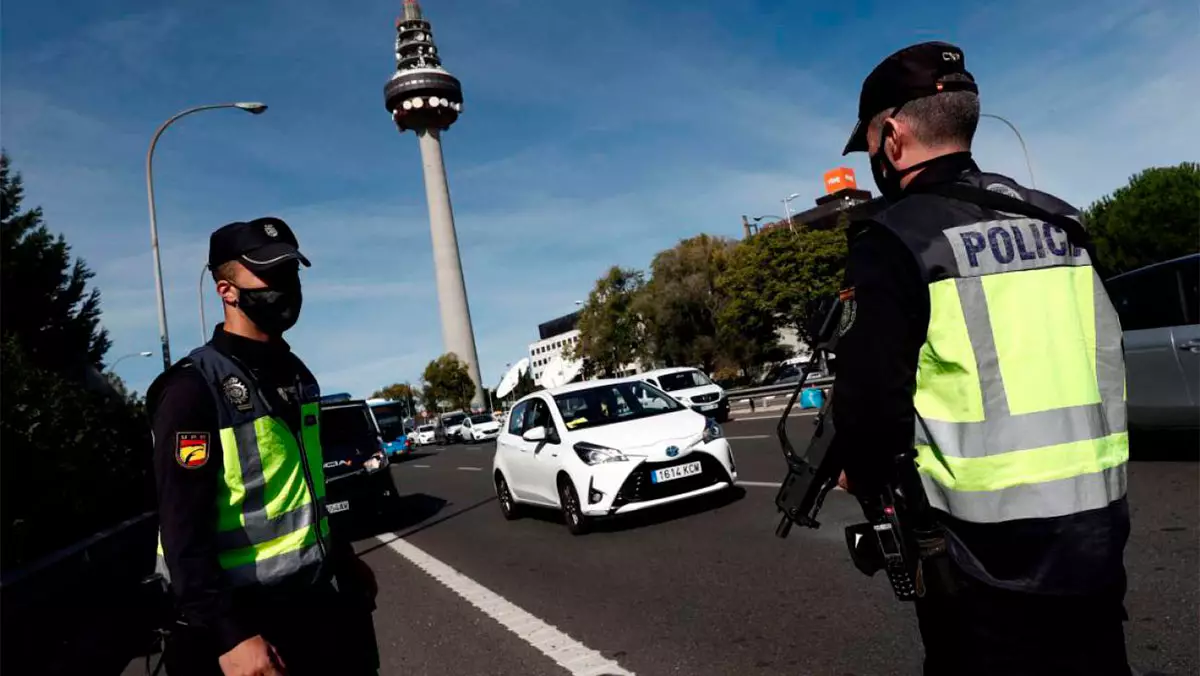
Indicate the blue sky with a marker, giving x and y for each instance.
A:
(593, 134)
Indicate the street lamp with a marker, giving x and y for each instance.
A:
(787, 208)
(1013, 127)
(250, 107)
(145, 353)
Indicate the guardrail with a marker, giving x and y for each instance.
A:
(78, 610)
(771, 391)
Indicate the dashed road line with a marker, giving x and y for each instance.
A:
(422, 466)
(472, 469)
(752, 436)
(760, 484)
(802, 414)
(568, 653)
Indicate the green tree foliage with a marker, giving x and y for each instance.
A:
(611, 333)
(44, 299)
(683, 300)
(74, 448)
(1156, 217)
(448, 380)
(773, 277)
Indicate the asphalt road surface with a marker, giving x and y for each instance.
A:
(700, 588)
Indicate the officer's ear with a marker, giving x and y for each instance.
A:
(228, 292)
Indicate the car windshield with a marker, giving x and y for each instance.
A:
(347, 433)
(683, 380)
(425, 428)
(390, 418)
(607, 404)
(481, 418)
(453, 419)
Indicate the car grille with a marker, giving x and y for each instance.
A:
(706, 398)
(639, 488)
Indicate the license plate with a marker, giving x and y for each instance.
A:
(678, 472)
(335, 507)
(708, 407)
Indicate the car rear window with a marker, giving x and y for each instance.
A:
(1159, 296)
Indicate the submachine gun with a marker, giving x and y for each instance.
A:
(900, 534)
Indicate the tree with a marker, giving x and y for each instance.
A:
(44, 300)
(447, 379)
(402, 392)
(774, 276)
(1156, 217)
(683, 301)
(610, 331)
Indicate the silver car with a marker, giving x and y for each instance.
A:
(1159, 306)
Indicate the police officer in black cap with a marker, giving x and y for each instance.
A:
(978, 349)
(261, 585)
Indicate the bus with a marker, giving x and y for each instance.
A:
(392, 418)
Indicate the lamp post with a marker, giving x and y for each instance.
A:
(1013, 127)
(145, 353)
(249, 107)
(787, 208)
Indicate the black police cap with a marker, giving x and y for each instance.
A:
(260, 244)
(911, 73)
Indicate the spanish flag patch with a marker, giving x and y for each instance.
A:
(191, 449)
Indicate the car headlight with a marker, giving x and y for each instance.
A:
(371, 464)
(712, 431)
(593, 454)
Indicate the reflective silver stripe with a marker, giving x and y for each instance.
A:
(1030, 501)
(253, 480)
(1019, 432)
(259, 530)
(275, 569)
(1110, 357)
(987, 360)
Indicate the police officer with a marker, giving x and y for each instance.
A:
(979, 343)
(261, 584)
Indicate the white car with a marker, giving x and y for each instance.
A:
(692, 388)
(452, 424)
(606, 447)
(479, 427)
(425, 435)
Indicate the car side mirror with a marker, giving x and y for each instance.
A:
(535, 434)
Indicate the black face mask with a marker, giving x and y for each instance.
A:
(274, 309)
(887, 176)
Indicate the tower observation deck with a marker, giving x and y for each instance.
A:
(421, 94)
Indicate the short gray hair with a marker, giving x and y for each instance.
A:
(945, 119)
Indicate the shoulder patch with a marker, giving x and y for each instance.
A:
(849, 311)
(191, 449)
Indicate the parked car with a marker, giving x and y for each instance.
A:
(692, 388)
(452, 424)
(357, 479)
(480, 427)
(607, 447)
(430, 434)
(1159, 308)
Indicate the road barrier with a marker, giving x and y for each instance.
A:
(81, 610)
(767, 394)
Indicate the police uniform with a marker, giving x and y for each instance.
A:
(244, 538)
(984, 341)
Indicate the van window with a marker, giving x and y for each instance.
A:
(1159, 296)
(683, 380)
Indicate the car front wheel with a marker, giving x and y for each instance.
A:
(508, 506)
(573, 515)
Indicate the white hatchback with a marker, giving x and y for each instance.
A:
(606, 447)
(479, 427)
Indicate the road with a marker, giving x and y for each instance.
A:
(704, 588)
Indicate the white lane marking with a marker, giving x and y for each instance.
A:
(472, 469)
(761, 484)
(570, 654)
(802, 414)
(422, 466)
(752, 436)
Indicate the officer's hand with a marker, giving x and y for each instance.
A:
(253, 657)
(843, 483)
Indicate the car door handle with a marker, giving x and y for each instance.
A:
(1190, 345)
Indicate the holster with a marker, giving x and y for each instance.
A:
(936, 576)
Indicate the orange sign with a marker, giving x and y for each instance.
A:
(839, 179)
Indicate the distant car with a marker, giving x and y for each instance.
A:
(692, 388)
(427, 435)
(1159, 308)
(357, 479)
(452, 424)
(480, 427)
(607, 447)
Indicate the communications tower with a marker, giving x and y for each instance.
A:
(424, 97)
